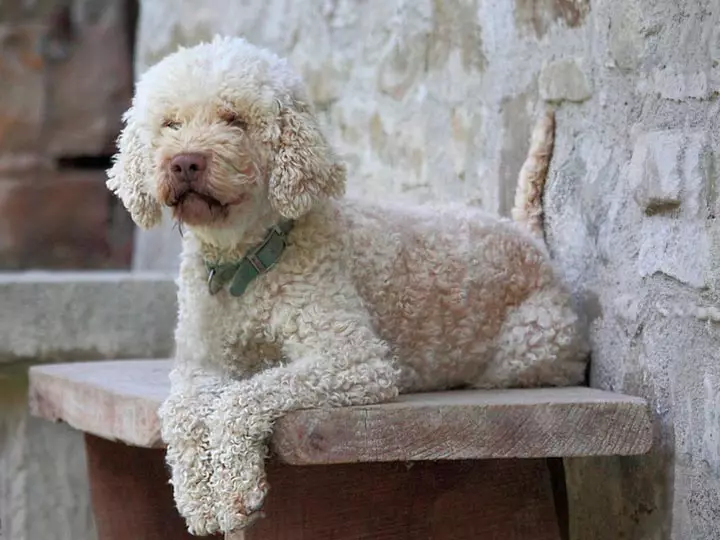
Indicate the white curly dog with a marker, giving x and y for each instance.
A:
(292, 296)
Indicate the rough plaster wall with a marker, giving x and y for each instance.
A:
(434, 100)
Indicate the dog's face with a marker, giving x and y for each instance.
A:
(223, 135)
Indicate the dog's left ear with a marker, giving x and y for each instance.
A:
(306, 169)
(126, 177)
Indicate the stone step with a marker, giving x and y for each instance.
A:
(69, 316)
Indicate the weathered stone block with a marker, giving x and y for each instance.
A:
(626, 42)
(564, 80)
(22, 88)
(541, 15)
(89, 70)
(157, 249)
(406, 52)
(670, 169)
(670, 174)
(676, 84)
(43, 481)
(69, 316)
(57, 220)
(66, 74)
(24, 12)
(655, 172)
(675, 247)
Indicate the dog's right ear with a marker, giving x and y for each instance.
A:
(126, 177)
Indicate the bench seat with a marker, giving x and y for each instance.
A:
(486, 460)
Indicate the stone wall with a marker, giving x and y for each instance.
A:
(66, 72)
(434, 99)
(43, 480)
(44, 492)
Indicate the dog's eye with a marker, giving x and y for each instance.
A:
(171, 124)
(234, 120)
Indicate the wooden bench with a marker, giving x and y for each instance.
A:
(453, 465)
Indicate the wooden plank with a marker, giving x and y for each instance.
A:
(119, 400)
(131, 493)
(470, 425)
(446, 500)
(116, 400)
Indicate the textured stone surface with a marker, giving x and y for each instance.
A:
(632, 210)
(89, 71)
(55, 317)
(43, 483)
(60, 219)
(671, 172)
(22, 93)
(66, 75)
(157, 249)
(564, 80)
(423, 112)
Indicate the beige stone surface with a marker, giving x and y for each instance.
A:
(89, 71)
(118, 400)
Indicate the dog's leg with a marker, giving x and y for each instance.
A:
(334, 359)
(541, 343)
(183, 416)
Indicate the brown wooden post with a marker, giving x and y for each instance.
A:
(131, 496)
(443, 500)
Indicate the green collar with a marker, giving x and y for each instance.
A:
(258, 260)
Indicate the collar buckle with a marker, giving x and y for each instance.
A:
(256, 262)
(242, 272)
(211, 275)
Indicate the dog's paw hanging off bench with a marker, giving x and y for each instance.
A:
(452, 465)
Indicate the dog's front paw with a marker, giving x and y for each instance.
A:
(238, 480)
(187, 436)
(242, 507)
(245, 508)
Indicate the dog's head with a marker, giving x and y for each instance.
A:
(223, 134)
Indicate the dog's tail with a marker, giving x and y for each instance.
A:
(528, 209)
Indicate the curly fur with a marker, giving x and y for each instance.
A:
(528, 209)
(367, 300)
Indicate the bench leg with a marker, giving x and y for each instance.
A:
(450, 500)
(130, 493)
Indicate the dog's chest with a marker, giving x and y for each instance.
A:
(242, 332)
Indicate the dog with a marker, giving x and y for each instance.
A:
(292, 295)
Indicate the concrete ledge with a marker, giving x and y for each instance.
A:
(70, 316)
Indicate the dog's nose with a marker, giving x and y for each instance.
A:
(188, 167)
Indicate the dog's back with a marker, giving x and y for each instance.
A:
(453, 288)
(439, 281)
